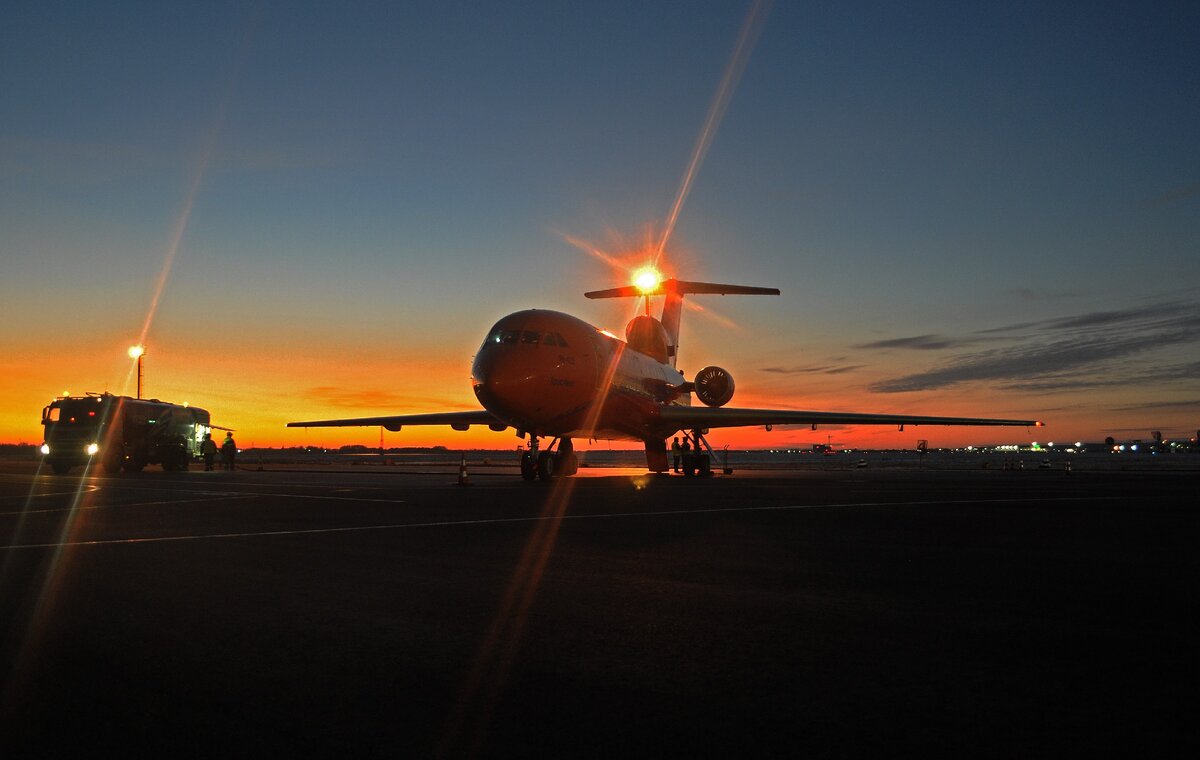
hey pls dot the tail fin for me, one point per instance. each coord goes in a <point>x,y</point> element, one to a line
<point>675,290</point>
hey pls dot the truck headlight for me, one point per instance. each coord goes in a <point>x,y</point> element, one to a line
<point>45,449</point>
<point>92,448</point>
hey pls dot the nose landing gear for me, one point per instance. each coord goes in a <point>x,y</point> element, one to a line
<point>551,463</point>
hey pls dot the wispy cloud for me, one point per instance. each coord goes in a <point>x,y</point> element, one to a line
<point>1084,351</point>
<point>1188,404</point>
<point>375,399</point>
<point>1178,194</point>
<point>814,370</point>
<point>1033,295</point>
<point>920,342</point>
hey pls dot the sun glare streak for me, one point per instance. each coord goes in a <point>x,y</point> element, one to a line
<point>467,725</point>
<point>711,315</point>
<point>469,721</point>
<point>751,28</point>
<point>43,594</point>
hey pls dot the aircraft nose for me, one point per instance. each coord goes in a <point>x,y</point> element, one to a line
<point>497,380</point>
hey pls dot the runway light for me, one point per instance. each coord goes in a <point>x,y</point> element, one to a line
<point>647,279</point>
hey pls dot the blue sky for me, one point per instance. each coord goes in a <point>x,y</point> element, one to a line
<point>376,172</point>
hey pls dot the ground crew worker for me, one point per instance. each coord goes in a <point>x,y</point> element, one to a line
<point>228,451</point>
<point>687,452</point>
<point>209,450</point>
<point>676,450</point>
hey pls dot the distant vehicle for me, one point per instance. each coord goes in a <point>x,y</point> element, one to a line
<point>121,432</point>
<point>1044,464</point>
<point>861,463</point>
<point>549,374</point>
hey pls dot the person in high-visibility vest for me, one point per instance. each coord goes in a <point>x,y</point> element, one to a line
<point>228,451</point>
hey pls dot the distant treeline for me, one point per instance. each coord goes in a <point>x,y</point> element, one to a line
<point>18,450</point>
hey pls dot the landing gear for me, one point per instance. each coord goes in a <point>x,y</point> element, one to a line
<point>695,462</point>
<point>549,464</point>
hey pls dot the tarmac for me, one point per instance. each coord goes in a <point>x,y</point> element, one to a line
<point>355,611</point>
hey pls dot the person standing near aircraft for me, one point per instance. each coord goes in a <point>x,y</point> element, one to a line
<point>228,451</point>
<point>209,450</point>
<point>676,451</point>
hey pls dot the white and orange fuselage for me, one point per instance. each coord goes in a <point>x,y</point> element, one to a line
<point>548,373</point>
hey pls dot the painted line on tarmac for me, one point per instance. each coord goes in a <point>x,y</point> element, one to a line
<point>85,489</point>
<point>208,496</point>
<point>504,520</point>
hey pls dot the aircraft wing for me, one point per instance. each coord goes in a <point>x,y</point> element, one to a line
<point>456,420</point>
<point>688,417</point>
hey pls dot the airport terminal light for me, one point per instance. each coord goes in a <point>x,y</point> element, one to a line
<point>137,352</point>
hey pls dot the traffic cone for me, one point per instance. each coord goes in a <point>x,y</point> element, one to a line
<point>462,472</point>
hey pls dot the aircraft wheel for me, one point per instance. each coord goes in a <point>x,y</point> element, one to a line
<point>689,466</point>
<point>528,468</point>
<point>569,464</point>
<point>60,468</point>
<point>547,465</point>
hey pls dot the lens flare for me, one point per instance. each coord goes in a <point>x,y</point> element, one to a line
<point>647,280</point>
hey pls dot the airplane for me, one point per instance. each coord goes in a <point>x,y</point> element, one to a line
<point>547,374</point>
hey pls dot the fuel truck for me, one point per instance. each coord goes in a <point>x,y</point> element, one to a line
<point>121,433</point>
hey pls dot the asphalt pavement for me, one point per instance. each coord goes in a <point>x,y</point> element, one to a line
<point>848,612</point>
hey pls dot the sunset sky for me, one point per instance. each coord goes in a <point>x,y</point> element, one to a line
<point>317,210</point>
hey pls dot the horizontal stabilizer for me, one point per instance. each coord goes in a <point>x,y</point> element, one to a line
<point>683,287</point>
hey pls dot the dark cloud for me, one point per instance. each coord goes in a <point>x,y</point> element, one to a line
<point>1072,353</point>
<point>1177,194</point>
<point>1191,403</point>
<point>920,342</point>
<point>814,370</point>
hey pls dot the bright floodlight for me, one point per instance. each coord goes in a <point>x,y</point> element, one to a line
<point>646,279</point>
<point>136,351</point>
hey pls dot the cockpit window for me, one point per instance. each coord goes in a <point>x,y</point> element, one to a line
<point>529,337</point>
<point>561,342</point>
<point>508,336</point>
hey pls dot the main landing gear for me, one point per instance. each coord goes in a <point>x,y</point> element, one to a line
<point>549,464</point>
<point>695,461</point>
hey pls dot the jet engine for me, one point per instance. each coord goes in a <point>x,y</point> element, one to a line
<point>714,386</point>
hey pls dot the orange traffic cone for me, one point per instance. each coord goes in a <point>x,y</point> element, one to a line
<point>462,472</point>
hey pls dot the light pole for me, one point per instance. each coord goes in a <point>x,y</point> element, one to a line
<point>137,352</point>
